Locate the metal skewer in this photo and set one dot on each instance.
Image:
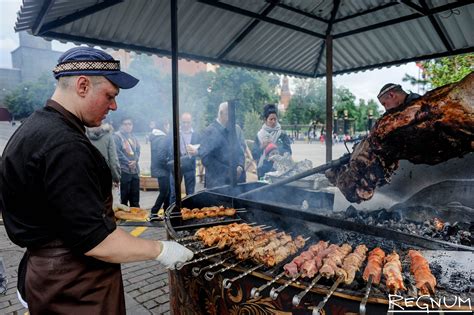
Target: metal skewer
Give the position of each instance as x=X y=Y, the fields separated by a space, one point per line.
x=204 y=250
x=197 y=271
x=210 y=275
x=178 y=215
x=363 y=303
x=316 y=311
x=181 y=265
x=255 y=292
x=432 y=294
x=227 y=283
x=274 y=292
x=298 y=297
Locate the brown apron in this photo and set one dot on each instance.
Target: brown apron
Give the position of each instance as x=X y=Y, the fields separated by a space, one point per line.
x=59 y=281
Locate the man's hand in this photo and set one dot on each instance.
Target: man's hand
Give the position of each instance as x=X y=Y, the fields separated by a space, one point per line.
x=172 y=253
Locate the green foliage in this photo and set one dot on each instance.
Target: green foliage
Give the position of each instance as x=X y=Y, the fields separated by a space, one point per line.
x=442 y=71
x=447 y=70
x=308 y=102
x=252 y=90
x=28 y=97
x=252 y=123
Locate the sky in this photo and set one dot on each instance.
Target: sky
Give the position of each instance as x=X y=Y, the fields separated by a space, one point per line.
x=364 y=85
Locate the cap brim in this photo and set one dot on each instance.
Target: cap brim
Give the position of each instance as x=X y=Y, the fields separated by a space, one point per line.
x=122 y=80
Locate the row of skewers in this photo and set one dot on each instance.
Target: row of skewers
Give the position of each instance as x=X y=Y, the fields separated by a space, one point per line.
x=323 y=260
x=207 y=212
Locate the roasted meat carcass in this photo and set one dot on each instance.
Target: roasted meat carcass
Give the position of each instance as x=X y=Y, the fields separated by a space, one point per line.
x=430 y=130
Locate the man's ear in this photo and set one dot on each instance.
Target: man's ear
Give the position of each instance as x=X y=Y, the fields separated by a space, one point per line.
x=83 y=85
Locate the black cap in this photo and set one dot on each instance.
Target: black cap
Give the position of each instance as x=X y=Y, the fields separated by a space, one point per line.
x=94 y=62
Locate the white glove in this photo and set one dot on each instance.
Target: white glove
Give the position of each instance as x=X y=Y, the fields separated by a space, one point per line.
x=172 y=253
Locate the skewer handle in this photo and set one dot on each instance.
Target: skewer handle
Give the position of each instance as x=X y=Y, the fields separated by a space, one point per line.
x=197 y=271
x=227 y=283
x=187 y=238
x=255 y=292
x=297 y=298
x=275 y=292
x=210 y=275
x=180 y=265
x=317 y=310
x=363 y=303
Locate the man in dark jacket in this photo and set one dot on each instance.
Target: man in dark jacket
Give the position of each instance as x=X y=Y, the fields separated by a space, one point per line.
x=187 y=139
x=160 y=145
x=216 y=153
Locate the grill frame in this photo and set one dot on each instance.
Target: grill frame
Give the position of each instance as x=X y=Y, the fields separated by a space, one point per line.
x=376 y=305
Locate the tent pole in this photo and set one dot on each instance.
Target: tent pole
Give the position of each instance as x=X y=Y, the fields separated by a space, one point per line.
x=175 y=95
x=329 y=104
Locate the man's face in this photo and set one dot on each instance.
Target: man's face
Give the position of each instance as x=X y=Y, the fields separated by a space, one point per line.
x=224 y=116
x=186 y=122
x=99 y=101
x=389 y=100
x=127 y=126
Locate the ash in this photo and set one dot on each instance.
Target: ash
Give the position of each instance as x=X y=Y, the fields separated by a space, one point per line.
x=456 y=232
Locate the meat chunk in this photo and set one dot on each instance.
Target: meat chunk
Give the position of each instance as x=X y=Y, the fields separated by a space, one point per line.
x=430 y=130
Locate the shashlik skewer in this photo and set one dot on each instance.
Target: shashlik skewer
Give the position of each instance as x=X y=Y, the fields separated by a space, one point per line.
x=421 y=271
x=291 y=268
x=209 y=275
x=180 y=265
x=227 y=283
x=345 y=273
x=206 y=212
x=372 y=274
x=392 y=270
x=311 y=267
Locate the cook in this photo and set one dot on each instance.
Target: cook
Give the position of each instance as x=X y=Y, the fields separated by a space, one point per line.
x=56 y=200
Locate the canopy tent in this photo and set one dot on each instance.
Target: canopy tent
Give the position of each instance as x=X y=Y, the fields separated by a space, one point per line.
x=304 y=38
x=286 y=36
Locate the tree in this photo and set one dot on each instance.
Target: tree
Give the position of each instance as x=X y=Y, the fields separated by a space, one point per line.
x=27 y=97
x=442 y=71
x=308 y=102
x=252 y=89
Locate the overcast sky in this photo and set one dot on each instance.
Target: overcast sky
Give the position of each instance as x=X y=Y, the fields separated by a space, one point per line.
x=363 y=84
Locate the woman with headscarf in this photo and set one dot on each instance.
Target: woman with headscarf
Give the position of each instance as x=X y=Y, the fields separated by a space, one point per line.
x=270 y=133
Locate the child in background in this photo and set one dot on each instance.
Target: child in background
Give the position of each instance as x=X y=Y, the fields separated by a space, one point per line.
x=267 y=163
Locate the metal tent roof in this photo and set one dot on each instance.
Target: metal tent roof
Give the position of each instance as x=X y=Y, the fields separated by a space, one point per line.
x=282 y=36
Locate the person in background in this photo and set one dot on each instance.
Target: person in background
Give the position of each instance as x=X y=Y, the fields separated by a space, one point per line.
x=128 y=152
x=102 y=138
x=267 y=164
x=151 y=126
x=55 y=196
x=187 y=139
x=270 y=133
x=160 y=145
x=216 y=153
x=392 y=95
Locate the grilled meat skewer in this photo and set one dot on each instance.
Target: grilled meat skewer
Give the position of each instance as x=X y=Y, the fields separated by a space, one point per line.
x=392 y=270
x=420 y=269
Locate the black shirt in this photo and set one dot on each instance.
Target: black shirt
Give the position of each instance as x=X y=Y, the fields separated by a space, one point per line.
x=54 y=184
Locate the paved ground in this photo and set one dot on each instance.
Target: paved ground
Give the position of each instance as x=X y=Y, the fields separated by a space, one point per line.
x=146 y=283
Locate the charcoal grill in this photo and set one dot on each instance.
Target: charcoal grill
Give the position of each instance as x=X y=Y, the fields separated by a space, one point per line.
x=220 y=284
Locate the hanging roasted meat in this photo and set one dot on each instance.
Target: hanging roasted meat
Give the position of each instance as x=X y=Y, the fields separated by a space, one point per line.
x=430 y=130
